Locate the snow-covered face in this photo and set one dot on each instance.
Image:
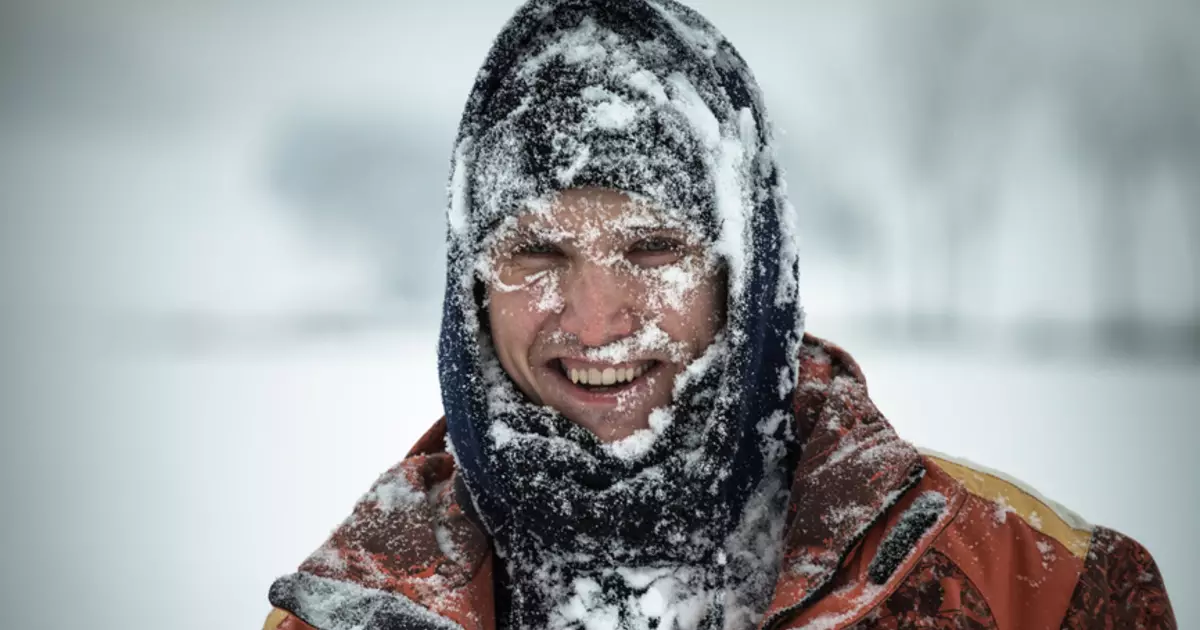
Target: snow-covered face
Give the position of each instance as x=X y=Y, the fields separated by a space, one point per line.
x=597 y=302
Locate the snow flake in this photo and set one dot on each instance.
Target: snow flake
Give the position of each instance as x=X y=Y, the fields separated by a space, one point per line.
x=1002 y=509
x=1047 y=551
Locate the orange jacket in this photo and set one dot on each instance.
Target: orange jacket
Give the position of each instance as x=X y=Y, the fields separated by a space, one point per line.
x=879 y=535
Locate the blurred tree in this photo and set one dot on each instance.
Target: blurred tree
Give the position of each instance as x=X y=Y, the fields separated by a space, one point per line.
x=952 y=124
x=964 y=76
x=1134 y=103
x=378 y=184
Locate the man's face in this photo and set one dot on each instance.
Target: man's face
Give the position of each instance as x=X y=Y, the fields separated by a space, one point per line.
x=596 y=303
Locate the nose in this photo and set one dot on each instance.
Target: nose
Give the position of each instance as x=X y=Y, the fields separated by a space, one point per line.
x=598 y=305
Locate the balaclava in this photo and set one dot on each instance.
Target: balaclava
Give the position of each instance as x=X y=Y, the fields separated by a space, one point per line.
x=645 y=97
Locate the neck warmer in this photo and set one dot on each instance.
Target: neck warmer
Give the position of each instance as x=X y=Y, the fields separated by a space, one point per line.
x=678 y=526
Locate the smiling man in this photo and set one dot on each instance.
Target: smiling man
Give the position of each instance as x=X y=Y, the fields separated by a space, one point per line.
x=597 y=304
x=638 y=433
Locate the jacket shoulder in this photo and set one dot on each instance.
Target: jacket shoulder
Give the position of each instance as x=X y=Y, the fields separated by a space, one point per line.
x=1020 y=551
x=1120 y=587
x=1042 y=565
x=407 y=556
x=1009 y=497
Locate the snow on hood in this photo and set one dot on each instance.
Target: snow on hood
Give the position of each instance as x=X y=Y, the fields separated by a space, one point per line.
x=650 y=99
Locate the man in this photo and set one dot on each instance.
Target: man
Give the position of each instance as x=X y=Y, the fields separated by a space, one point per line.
x=638 y=433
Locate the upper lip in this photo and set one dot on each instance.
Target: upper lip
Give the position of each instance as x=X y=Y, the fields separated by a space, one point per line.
x=579 y=360
x=583 y=364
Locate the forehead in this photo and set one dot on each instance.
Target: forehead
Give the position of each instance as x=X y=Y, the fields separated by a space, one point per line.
x=596 y=212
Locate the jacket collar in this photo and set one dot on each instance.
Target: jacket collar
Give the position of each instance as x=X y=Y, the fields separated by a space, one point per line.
x=853 y=467
x=414 y=535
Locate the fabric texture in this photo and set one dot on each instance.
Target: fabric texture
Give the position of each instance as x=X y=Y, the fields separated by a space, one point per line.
x=937 y=594
x=1121 y=587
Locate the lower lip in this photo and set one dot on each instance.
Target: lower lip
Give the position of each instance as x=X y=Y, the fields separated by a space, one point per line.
x=603 y=397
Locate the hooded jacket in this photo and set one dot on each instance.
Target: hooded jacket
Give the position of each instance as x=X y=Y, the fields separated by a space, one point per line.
x=878 y=536
x=770 y=492
x=647 y=98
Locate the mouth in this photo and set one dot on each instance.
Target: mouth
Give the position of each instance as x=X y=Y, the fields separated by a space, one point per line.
x=589 y=380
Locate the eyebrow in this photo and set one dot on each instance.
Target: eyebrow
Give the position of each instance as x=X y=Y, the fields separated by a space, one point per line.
x=526 y=233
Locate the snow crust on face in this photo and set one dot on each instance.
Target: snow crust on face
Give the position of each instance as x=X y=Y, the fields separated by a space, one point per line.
x=668 y=286
x=649 y=338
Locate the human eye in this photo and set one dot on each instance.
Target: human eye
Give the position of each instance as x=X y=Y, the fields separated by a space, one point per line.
x=537 y=249
x=535 y=254
x=653 y=251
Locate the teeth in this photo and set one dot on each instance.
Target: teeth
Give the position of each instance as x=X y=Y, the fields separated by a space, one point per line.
x=607 y=376
x=610 y=376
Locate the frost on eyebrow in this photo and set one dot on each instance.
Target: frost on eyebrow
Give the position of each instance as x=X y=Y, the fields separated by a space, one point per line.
x=544 y=286
x=545 y=283
x=603 y=237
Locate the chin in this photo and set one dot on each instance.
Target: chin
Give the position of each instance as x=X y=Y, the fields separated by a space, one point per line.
x=609 y=429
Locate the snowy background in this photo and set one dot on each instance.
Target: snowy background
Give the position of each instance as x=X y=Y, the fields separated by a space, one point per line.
x=220 y=237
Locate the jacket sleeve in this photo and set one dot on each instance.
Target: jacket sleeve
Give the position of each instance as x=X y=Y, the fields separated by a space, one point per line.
x=280 y=619
x=1120 y=587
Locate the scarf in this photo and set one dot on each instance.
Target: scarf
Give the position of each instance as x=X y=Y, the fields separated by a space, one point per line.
x=681 y=529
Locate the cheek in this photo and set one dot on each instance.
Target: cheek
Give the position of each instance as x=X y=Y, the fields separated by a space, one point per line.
x=687 y=294
x=515 y=319
x=695 y=315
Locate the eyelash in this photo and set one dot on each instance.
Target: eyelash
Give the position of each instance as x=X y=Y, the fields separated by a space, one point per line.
x=651 y=246
x=538 y=249
x=664 y=245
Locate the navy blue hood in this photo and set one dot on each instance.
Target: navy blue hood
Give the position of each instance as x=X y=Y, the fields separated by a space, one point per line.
x=691 y=135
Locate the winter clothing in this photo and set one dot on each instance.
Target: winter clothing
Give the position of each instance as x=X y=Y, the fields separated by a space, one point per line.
x=878 y=536
x=645 y=97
